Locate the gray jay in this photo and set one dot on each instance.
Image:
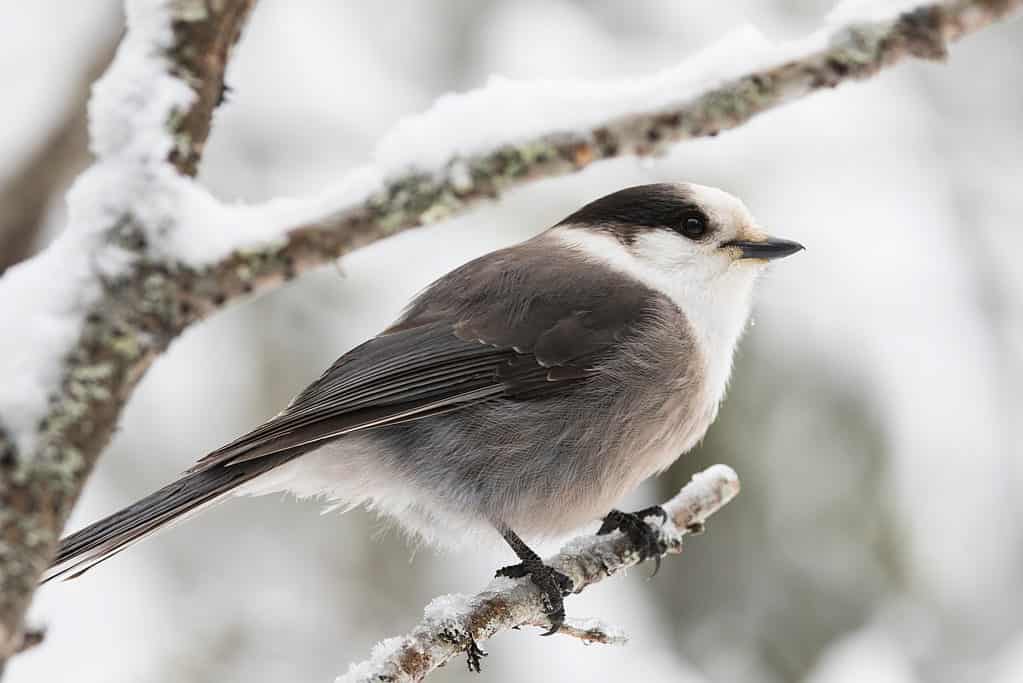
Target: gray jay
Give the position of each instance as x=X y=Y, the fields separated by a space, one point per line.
x=524 y=392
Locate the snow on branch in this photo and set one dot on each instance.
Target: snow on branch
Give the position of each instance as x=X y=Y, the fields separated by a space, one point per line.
x=148 y=252
x=72 y=344
x=454 y=624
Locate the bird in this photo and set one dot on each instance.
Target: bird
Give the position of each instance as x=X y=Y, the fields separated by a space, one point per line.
x=523 y=393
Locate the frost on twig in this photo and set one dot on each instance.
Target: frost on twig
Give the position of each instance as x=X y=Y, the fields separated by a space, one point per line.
x=148 y=252
x=456 y=624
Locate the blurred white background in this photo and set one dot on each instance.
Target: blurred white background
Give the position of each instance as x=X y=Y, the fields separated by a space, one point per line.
x=873 y=414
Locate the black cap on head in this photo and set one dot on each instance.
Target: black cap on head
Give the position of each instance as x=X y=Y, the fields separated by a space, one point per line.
x=628 y=212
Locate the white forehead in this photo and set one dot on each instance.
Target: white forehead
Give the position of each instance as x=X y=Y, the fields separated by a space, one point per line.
x=721 y=206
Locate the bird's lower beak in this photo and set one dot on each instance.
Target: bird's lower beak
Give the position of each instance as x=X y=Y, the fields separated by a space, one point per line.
x=770 y=248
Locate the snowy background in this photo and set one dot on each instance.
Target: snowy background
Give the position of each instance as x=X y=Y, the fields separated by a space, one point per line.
x=872 y=416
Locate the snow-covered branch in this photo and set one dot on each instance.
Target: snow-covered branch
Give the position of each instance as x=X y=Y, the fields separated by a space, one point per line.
x=455 y=624
x=71 y=348
x=148 y=252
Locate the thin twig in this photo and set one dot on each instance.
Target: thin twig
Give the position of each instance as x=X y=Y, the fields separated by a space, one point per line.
x=456 y=624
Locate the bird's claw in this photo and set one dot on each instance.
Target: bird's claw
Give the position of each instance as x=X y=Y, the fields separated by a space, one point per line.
x=633 y=524
x=473 y=655
x=553 y=585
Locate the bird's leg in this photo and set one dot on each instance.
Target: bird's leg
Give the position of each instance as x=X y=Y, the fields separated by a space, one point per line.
x=473 y=655
x=633 y=524
x=553 y=584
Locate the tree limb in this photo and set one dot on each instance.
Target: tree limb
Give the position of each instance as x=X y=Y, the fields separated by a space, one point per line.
x=455 y=624
x=36 y=493
x=132 y=291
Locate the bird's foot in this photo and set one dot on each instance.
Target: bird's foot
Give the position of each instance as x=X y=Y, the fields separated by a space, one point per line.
x=553 y=585
x=633 y=524
x=473 y=655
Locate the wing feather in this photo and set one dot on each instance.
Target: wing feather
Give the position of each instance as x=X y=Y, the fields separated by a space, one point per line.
x=487 y=331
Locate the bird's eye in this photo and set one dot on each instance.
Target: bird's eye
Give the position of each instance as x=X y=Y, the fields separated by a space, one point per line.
x=694 y=226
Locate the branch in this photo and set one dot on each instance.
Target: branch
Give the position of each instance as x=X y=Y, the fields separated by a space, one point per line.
x=148 y=252
x=455 y=624
x=149 y=117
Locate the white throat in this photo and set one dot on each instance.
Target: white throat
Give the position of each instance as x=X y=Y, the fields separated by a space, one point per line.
x=719 y=316
x=717 y=308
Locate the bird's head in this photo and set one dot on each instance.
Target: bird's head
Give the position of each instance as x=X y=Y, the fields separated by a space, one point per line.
x=685 y=232
x=698 y=245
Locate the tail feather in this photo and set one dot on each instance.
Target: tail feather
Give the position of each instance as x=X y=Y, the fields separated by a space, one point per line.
x=173 y=503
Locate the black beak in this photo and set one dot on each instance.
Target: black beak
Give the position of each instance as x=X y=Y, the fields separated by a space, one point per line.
x=771 y=248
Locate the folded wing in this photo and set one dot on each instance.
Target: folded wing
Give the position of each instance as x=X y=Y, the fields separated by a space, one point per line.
x=516 y=323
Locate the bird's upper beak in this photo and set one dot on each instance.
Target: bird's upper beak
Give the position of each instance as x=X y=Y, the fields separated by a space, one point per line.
x=765 y=249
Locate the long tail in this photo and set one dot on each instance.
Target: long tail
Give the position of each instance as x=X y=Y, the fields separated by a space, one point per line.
x=188 y=495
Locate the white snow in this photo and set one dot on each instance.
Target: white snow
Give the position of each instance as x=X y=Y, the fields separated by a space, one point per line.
x=131 y=102
x=615 y=634
x=184 y=222
x=452 y=609
x=501 y=583
x=187 y=224
x=381 y=654
x=448 y=607
x=508 y=111
x=40 y=314
x=43 y=301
